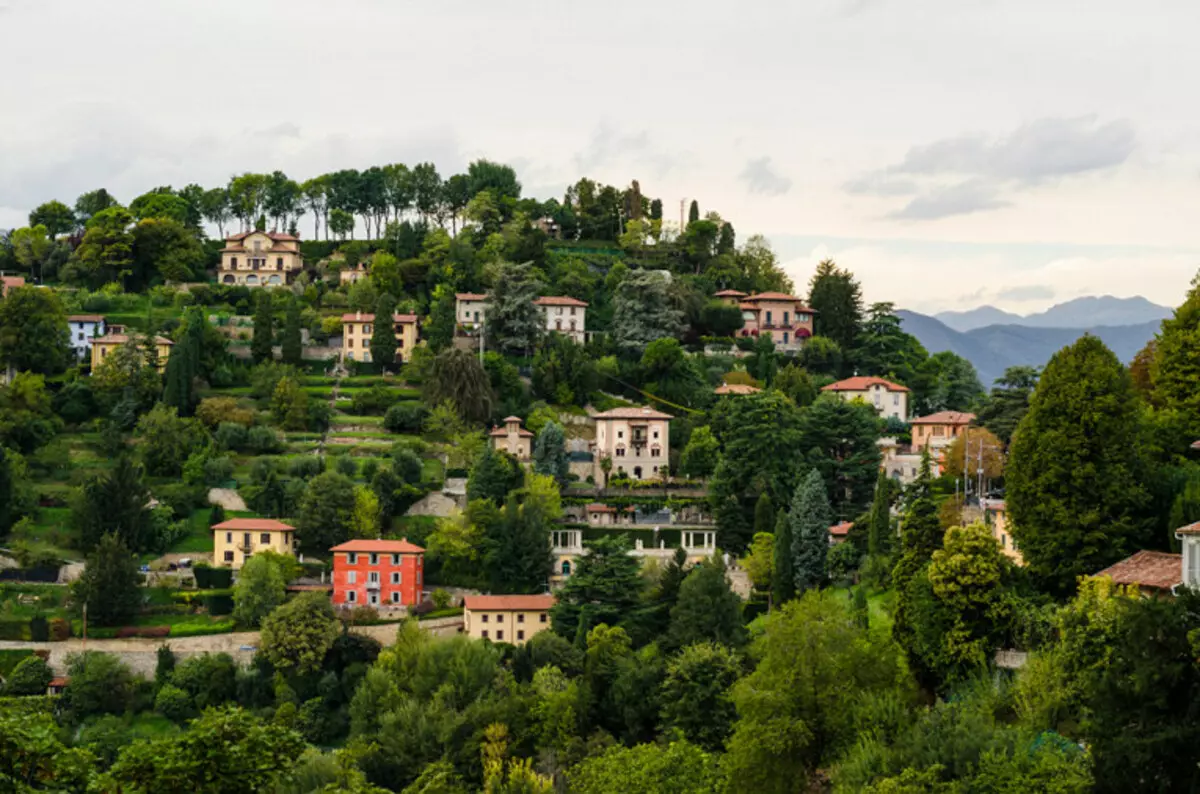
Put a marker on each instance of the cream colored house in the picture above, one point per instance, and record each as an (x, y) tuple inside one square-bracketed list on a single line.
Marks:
[(601, 515), (513, 439), (470, 310), (353, 275), (103, 347), (236, 540), (562, 314), (506, 618), (889, 399), (259, 259), (358, 328), (939, 430), (636, 440), (566, 548), (995, 516)]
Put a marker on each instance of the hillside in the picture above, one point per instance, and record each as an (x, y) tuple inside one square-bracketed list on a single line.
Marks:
[(1086, 312), (995, 347)]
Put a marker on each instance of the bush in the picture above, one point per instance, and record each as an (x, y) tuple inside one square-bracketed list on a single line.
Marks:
[(375, 400), (209, 578), (219, 604), (263, 440), (174, 704), (30, 677), (60, 630), (39, 629), (346, 465), (306, 466), (405, 417)]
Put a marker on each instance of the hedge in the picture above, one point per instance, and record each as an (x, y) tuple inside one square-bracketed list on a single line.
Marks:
[(41, 573), (219, 604), (213, 578), (15, 629), (27, 706)]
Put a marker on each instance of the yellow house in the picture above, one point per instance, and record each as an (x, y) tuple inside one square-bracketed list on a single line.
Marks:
[(103, 347), (995, 515), (513, 439), (259, 259), (358, 328), (506, 618), (236, 540)]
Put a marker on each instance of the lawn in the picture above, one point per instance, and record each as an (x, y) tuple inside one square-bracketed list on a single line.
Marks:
[(199, 539), (23, 601)]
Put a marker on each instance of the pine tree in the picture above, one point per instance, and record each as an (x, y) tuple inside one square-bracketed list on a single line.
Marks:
[(707, 610), (184, 365), (261, 344), (879, 529), (290, 342), (110, 584), (693, 212), (810, 519), (783, 587), (439, 329), (383, 334), (7, 493), (920, 536), (550, 453), (115, 502), (494, 474), (518, 554)]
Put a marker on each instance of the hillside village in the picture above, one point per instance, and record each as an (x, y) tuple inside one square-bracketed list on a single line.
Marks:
[(470, 490)]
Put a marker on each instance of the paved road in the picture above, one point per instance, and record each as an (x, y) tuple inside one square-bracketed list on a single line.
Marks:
[(140, 653)]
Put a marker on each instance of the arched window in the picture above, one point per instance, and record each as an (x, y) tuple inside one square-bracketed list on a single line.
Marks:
[(566, 568), (229, 279), (637, 472), (251, 280)]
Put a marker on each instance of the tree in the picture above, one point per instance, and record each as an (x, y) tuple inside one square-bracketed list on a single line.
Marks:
[(707, 610), (264, 320), (31, 247), (33, 331), (114, 502), (224, 751), (879, 530), (605, 588), (246, 196), (759, 561), (783, 580), (678, 768), (281, 199), (34, 758), (840, 438), (341, 223), (954, 384), (214, 206), (31, 676), (159, 203), (795, 383), (92, 203), (8, 491), (796, 710), (297, 635), (720, 319), (260, 587), (643, 311), (110, 584), (764, 514), (920, 536), (1076, 480), (440, 327), (1175, 371), (383, 333), (550, 453), (1002, 410), (693, 212), (494, 474), (167, 440), (106, 253), (695, 694), (965, 452), (27, 417), (515, 323), (55, 216), (326, 509), (290, 341), (367, 519), (670, 374), (701, 455), (836, 299), (517, 548), (457, 376), (809, 520), (564, 372)]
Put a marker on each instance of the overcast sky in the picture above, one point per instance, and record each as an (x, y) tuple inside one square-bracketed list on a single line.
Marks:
[(951, 153)]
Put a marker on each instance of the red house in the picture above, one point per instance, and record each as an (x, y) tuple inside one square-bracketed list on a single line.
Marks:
[(377, 573)]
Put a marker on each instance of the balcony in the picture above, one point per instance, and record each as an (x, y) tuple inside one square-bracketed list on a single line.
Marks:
[(372, 585)]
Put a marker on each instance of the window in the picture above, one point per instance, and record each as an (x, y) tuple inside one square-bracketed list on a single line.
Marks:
[(229, 537), (768, 317), (351, 597), (265, 538), (499, 618), (655, 452), (620, 434), (572, 313), (352, 577), (558, 325), (620, 452), (257, 246), (366, 328), (521, 618), (655, 435), (374, 559), (229, 556), (373, 577), (520, 635), (395, 597), (572, 325), (499, 635), (895, 399), (566, 571), (279, 262), (485, 634), (483, 618), (395, 577), (82, 336), (395, 559), (542, 618), (373, 598), (352, 559), (232, 261)]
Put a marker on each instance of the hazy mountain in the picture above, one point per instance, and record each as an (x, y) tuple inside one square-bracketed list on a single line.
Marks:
[(1086, 312), (997, 347)]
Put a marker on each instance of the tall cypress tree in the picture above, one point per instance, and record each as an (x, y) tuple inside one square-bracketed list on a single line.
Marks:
[(920, 536), (783, 586), (693, 212), (264, 319), (879, 528), (115, 502), (810, 519), (518, 555), (764, 514), (291, 334), (383, 335), (550, 453)]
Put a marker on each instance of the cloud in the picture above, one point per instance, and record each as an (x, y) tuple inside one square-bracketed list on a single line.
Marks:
[(974, 195), (761, 178), (1029, 292), (610, 147)]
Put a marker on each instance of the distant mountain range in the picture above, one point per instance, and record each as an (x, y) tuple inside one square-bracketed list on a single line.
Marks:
[(1089, 312), (994, 348)]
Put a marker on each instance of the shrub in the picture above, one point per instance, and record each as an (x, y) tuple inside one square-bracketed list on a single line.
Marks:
[(230, 435), (346, 465), (174, 704), (39, 629), (306, 466), (375, 400), (263, 440), (30, 677), (405, 417)]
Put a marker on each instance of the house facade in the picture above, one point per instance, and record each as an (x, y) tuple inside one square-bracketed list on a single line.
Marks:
[(602, 515), (385, 574), (636, 440), (259, 259), (995, 517), (561, 314), (355, 274), (103, 347), (9, 283), (470, 310), (506, 618), (784, 318), (889, 399), (238, 539), (513, 439), (939, 430), (1189, 538), (358, 328), (566, 548), (84, 328)]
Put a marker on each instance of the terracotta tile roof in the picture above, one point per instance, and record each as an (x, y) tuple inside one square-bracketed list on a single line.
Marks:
[(85, 318), (559, 300), (470, 296), (841, 530), (120, 339), (747, 307), (1153, 570), (729, 293), (500, 431), (512, 419), (944, 418), (508, 603), (736, 388), (370, 318), (862, 383), (281, 249), (59, 681), (254, 525), (12, 282), (596, 507), (234, 238), (1190, 529), (632, 413), (779, 296), (385, 546), (233, 249)]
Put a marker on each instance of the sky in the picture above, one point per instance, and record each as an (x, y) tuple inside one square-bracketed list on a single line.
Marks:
[(951, 153)]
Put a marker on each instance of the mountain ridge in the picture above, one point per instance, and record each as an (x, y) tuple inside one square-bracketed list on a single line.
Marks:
[(1088, 311)]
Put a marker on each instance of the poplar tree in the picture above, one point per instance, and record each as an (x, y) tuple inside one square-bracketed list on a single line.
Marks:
[(383, 334), (879, 528), (693, 212), (783, 585), (291, 334), (261, 344)]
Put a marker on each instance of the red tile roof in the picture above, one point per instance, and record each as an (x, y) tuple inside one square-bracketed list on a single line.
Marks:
[(729, 293), (233, 249), (59, 681), (385, 546), (470, 296), (85, 318), (842, 529), (944, 418), (596, 507), (277, 236), (512, 419), (862, 383), (508, 603), (370, 318), (12, 282), (254, 525), (736, 388), (500, 431), (632, 413), (778, 296), (559, 300), (1190, 529), (1153, 570), (120, 339)]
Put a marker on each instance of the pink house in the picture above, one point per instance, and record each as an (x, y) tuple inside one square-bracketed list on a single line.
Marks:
[(783, 317)]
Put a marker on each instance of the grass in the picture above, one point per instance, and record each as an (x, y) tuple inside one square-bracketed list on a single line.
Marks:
[(879, 606), (351, 419), (10, 658), (199, 539), (24, 601)]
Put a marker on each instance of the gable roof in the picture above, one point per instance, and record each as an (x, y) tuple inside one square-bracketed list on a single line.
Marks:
[(596, 507), (12, 282), (511, 603), (842, 529), (736, 388), (370, 318), (470, 296), (862, 383), (276, 236), (634, 412), (729, 293), (1153, 570), (500, 431), (85, 318), (386, 546), (254, 525), (559, 300), (120, 339), (944, 418)]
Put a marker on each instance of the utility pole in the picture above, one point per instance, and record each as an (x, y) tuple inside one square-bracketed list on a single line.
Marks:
[(85, 629), (682, 201)]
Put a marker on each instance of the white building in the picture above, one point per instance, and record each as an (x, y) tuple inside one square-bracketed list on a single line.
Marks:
[(561, 314), (889, 399), (85, 328), (637, 440), (1190, 537)]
